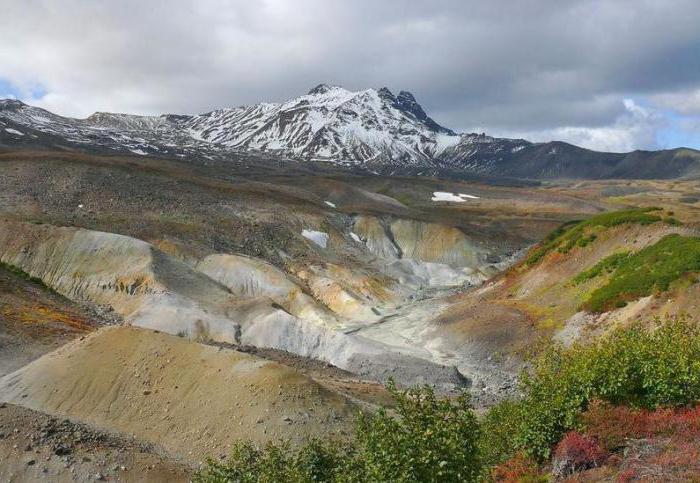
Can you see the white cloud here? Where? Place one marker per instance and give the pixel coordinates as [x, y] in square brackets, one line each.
[685, 102]
[636, 128]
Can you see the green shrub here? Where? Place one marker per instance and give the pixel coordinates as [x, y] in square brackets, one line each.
[427, 439]
[432, 439]
[652, 269]
[498, 426]
[316, 461]
[635, 366]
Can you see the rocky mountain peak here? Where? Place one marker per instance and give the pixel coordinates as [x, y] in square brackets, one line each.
[320, 89]
[407, 97]
[406, 102]
[387, 95]
[11, 104]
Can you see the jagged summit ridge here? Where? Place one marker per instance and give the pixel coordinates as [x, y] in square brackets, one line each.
[330, 122]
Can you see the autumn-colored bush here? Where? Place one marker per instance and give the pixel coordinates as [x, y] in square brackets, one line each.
[627, 475]
[686, 454]
[519, 468]
[576, 452]
[611, 425]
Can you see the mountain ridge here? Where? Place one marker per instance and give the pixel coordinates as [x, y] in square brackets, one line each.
[370, 129]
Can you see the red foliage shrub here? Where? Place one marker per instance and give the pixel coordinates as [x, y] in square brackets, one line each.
[576, 452]
[686, 454]
[517, 469]
[627, 475]
[611, 425]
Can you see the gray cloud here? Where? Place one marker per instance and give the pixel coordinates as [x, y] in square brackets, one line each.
[537, 68]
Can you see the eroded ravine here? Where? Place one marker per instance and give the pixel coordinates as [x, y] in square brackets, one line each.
[151, 289]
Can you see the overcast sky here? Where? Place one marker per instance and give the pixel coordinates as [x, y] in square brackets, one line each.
[611, 75]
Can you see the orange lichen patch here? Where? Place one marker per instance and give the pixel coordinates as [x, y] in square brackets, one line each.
[46, 316]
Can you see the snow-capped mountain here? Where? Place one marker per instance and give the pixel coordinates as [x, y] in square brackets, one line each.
[23, 124]
[370, 129]
[330, 123]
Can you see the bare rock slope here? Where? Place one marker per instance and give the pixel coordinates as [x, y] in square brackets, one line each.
[192, 400]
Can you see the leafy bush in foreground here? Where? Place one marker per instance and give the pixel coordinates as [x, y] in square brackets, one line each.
[634, 366]
[431, 439]
[316, 461]
[428, 439]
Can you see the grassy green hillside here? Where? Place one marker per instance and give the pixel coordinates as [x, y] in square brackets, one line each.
[581, 233]
[652, 269]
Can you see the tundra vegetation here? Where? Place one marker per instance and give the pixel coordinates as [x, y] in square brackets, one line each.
[636, 370]
[582, 233]
[651, 269]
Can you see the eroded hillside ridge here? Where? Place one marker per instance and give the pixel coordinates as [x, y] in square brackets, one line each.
[585, 279]
[151, 289]
[368, 129]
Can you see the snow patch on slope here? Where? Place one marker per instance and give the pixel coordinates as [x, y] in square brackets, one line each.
[318, 237]
[452, 197]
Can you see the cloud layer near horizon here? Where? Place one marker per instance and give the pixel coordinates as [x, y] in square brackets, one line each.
[612, 75]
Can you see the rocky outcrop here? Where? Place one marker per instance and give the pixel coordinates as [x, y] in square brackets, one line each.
[365, 357]
[375, 237]
[145, 286]
[432, 242]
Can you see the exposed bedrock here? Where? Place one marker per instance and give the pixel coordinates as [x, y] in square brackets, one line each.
[431, 242]
[248, 277]
[421, 254]
[331, 305]
[376, 237]
[145, 286]
[365, 357]
[153, 290]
